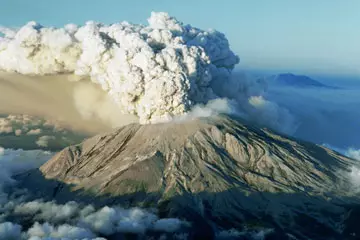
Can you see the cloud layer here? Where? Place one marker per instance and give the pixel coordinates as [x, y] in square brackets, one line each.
[324, 115]
[28, 132]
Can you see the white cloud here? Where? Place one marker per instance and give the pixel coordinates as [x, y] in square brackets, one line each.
[353, 153]
[23, 123]
[325, 114]
[5, 127]
[34, 131]
[349, 152]
[354, 172]
[18, 132]
[43, 141]
[110, 220]
[17, 161]
[213, 107]
[10, 231]
[355, 176]
[65, 231]
[48, 211]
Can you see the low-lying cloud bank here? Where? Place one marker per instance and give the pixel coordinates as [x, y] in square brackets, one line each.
[324, 115]
[22, 131]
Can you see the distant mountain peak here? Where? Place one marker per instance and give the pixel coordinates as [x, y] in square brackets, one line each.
[293, 80]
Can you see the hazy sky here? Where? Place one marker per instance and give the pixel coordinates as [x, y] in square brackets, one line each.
[301, 36]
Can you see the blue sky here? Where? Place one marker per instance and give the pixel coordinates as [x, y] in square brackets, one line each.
[307, 36]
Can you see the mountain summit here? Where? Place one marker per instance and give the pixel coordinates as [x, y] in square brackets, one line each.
[217, 169]
[292, 80]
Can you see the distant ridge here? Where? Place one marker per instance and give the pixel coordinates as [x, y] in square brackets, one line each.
[292, 80]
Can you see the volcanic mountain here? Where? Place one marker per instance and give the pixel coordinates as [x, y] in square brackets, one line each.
[292, 80]
[218, 173]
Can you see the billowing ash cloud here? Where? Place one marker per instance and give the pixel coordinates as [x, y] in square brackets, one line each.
[165, 70]
[92, 103]
[155, 72]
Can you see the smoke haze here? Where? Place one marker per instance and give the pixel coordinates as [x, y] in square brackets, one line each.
[77, 105]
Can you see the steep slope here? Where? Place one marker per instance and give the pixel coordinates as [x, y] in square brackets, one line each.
[205, 154]
[218, 169]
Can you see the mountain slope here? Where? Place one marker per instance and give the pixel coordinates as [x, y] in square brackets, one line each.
[216, 169]
[217, 154]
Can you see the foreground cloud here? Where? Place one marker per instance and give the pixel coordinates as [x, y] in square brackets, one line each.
[46, 231]
[353, 153]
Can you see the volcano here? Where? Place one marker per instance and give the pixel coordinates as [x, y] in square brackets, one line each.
[218, 173]
[297, 81]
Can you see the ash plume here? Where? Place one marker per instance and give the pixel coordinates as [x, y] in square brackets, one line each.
[155, 72]
[162, 71]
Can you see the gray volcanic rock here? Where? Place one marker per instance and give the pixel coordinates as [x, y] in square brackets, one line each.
[218, 169]
[212, 154]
